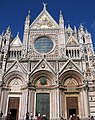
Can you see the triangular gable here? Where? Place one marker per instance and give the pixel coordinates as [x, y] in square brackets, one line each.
[16, 66]
[70, 65]
[72, 41]
[44, 21]
[42, 65]
[16, 42]
[69, 29]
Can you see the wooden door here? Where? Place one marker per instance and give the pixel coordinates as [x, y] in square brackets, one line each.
[13, 107]
[72, 107]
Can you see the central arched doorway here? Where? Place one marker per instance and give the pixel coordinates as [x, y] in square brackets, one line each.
[44, 93]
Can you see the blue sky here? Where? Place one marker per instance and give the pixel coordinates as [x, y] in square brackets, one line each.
[13, 13]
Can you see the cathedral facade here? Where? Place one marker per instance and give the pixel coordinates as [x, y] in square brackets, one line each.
[52, 71]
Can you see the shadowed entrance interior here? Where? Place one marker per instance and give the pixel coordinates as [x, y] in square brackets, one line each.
[13, 113]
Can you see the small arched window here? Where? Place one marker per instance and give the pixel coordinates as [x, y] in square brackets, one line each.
[83, 40]
[66, 52]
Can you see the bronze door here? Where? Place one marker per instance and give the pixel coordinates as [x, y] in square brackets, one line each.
[13, 107]
[72, 107]
[43, 104]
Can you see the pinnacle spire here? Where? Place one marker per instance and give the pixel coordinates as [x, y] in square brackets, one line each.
[2, 32]
[75, 30]
[68, 25]
[17, 34]
[61, 17]
[28, 18]
[86, 31]
[28, 14]
[8, 28]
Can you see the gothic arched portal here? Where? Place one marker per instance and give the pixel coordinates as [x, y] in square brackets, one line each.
[70, 94]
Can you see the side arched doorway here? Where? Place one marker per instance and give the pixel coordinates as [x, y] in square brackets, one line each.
[70, 95]
[14, 81]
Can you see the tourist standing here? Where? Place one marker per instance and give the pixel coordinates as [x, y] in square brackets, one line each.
[31, 116]
[39, 116]
[9, 116]
[27, 116]
[92, 118]
[44, 117]
[1, 114]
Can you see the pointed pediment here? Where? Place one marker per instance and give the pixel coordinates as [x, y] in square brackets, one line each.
[44, 21]
[16, 66]
[42, 65]
[16, 41]
[70, 65]
[72, 41]
[69, 29]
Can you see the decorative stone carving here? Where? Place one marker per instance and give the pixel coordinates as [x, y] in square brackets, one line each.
[44, 22]
[43, 65]
[70, 82]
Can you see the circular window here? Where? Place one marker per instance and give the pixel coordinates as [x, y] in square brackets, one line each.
[43, 44]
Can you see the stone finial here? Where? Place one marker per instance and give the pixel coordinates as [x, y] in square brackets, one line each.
[81, 27]
[60, 13]
[17, 34]
[8, 28]
[28, 14]
[68, 25]
[44, 4]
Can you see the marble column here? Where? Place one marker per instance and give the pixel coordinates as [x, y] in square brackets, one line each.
[23, 104]
[86, 103]
[82, 110]
[3, 104]
[0, 97]
[58, 103]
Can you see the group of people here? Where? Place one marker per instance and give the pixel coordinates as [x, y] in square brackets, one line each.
[43, 117]
[91, 118]
[29, 116]
[8, 117]
[73, 117]
[39, 117]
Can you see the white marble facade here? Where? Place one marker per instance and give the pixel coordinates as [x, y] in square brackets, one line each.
[53, 61]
